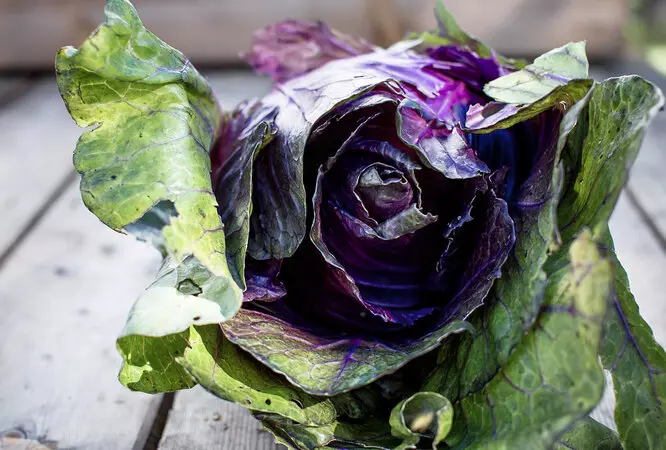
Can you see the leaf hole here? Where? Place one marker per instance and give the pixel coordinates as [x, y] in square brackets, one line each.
[268, 401]
[113, 177]
[189, 287]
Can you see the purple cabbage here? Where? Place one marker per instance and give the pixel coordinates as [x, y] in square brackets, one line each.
[376, 216]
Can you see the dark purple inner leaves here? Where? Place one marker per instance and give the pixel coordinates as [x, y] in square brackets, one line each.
[392, 241]
[383, 190]
[517, 150]
[409, 221]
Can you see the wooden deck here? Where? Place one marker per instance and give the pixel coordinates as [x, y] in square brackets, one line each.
[67, 283]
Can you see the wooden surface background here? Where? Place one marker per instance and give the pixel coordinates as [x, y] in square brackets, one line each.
[212, 32]
[67, 283]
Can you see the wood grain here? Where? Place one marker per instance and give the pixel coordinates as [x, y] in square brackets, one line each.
[201, 421]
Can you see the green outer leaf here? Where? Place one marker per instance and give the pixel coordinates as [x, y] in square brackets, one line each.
[638, 366]
[467, 363]
[323, 366]
[547, 72]
[145, 169]
[151, 109]
[153, 334]
[597, 158]
[220, 367]
[148, 364]
[369, 434]
[561, 97]
[601, 149]
[422, 414]
[553, 378]
[616, 112]
[586, 434]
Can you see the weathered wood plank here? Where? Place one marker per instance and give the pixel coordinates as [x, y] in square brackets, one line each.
[647, 182]
[36, 146]
[64, 296]
[645, 262]
[201, 421]
[214, 31]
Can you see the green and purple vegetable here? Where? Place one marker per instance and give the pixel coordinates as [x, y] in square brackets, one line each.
[395, 248]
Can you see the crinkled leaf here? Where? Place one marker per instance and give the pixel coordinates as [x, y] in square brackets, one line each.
[466, 362]
[587, 201]
[247, 130]
[155, 120]
[482, 119]
[145, 169]
[601, 149]
[325, 366]
[553, 379]
[296, 418]
[222, 368]
[597, 158]
[439, 147]
[586, 434]
[549, 71]
[148, 364]
[278, 222]
[157, 327]
[423, 414]
[368, 434]
[638, 366]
